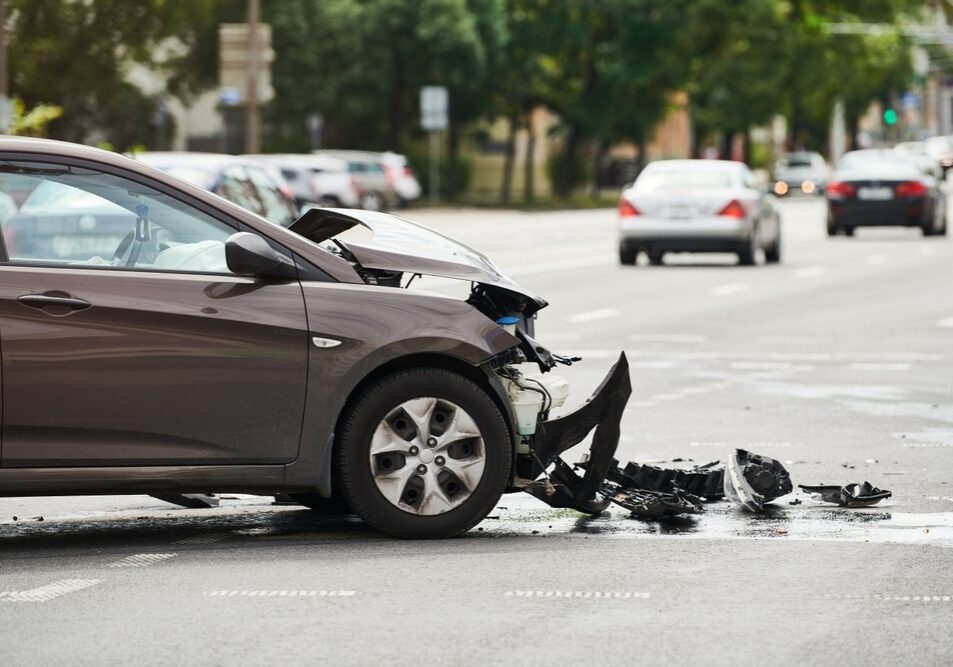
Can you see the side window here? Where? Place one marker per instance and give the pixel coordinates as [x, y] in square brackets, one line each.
[235, 186]
[82, 218]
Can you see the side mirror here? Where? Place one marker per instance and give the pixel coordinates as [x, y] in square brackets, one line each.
[250, 255]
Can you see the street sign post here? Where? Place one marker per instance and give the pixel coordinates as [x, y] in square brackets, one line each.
[434, 104]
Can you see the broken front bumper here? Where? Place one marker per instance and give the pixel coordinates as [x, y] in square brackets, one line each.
[563, 486]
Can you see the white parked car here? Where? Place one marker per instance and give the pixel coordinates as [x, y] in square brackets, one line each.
[387, 180]
[316, 179]
[698, 206]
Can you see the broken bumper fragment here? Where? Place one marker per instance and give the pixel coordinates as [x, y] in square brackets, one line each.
[653, 504]
[851, 495]
[602, 412]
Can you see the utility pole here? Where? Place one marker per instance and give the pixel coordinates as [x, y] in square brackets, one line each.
[252, 128]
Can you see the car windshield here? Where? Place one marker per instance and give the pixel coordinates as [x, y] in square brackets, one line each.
[795, 161]
[683, 178]
[866, 167]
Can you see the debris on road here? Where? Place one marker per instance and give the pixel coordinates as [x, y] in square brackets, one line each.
[851, 495]
[751, 480]
[190, 500]
[653, 504]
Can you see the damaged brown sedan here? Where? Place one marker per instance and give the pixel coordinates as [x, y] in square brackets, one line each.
[155, 338]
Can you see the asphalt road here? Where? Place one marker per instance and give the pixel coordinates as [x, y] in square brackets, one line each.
[838, 362]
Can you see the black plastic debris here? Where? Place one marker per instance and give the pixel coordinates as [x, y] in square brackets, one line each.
[191, 500]
[705, 481]
[653, 504]
[851, 495]
[751, 480]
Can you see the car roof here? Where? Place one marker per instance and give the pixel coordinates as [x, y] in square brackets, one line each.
[210, 161]
[698, 164]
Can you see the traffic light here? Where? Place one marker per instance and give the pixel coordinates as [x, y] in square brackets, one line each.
[890, 116]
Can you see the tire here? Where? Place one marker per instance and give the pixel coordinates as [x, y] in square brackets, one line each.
[748, 252]
[773, 254]
[372, 201]
[628, 257]
[328, 201]
[831, 227]
[848, 231]
[427, 497]
[655, 258]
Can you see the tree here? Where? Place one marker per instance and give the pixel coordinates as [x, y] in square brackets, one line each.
[75, 54]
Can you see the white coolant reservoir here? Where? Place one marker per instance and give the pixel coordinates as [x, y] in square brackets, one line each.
[537, 391]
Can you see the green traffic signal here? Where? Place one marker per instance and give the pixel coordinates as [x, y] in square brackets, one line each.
[890, 117]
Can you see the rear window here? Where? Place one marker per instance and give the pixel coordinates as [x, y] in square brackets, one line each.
[660, 180]
[866, 167]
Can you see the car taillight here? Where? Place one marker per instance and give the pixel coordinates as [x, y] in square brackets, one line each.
[911, 189]
[840, 190]
[408, 172]
[627, 210]
[734, 209]
[390, 173]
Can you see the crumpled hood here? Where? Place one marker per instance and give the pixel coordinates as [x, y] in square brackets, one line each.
[401, 245]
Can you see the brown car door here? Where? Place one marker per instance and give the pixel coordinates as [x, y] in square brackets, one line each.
[143, 352]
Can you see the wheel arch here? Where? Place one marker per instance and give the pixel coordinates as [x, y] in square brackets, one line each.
[480, 375]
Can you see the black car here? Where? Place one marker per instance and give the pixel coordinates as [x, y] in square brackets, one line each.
[883, 188]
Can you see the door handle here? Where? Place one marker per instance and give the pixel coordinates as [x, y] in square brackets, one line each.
[43, 301]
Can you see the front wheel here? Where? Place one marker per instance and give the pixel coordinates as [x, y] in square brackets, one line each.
[424, 453]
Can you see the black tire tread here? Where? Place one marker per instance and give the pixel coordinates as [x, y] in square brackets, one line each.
[359, 505]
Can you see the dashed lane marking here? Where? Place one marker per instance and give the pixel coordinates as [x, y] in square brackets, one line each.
[280, 594]
[728, 288]
[892, 598]
[141, 560]
[810, 272]
[926, 250]
[603, 595]
[877, 259]
[49, 591]
[668, 397]
[796, 340]
[668, 338]
[927, 445]
[593, 315]
[760, 365]
[946, 323]
[863, 366]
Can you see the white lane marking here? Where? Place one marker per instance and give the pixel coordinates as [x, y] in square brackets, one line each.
[760, 365]
[641, 404]
[927, 445]
[892, 598]
[810, 272]
[946, 322]
[668, 338]
[603, 595]
[796, 340]
[202, 539]
[141, 560]
[696, 390]
[593, 315]
[757, 355]
[49, 591]
[667, 397]
[280, 594]
[927, 250]
[652, 364]
[561, 265]
[864, 366]
[877, 259]
[728, 288]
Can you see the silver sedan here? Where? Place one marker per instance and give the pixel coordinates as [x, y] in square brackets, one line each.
[698, 206]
